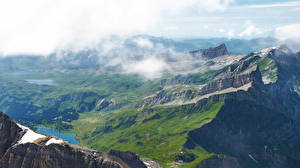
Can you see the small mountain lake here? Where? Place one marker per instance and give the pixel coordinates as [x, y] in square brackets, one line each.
[40, 81]
[67, 137]
[19, 73]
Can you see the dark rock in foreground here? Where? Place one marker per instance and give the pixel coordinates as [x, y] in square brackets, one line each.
[39, 154]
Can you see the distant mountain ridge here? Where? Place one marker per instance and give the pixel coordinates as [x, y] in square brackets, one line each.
[117, 47]
[210, 53]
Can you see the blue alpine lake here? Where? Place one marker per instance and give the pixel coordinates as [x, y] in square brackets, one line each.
[67, 137]
[40, 81]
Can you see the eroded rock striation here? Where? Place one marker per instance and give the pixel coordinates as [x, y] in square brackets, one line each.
[238, 76]
[51, 152]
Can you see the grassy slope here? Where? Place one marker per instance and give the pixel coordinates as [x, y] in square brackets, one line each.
[268, 68]
[159, 135]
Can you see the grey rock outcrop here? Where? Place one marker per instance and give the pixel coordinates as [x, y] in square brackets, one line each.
[163, 97]
[210, 53]
[9, 133]
[234, 78]
[40, 155]
[234, 81]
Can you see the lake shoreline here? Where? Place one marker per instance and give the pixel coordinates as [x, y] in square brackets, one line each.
[67, 137]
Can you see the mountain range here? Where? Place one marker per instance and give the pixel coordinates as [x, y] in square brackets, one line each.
[209, 108]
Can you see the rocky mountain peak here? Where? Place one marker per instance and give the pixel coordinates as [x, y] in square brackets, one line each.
[284, 56]
[284, 48]
[279, 50]
[210, 53]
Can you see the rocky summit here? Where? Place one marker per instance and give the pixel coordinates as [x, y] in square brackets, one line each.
[21, 147]
[210, 53]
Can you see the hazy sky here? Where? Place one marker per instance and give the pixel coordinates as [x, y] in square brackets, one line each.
[42, 26]
[239, 19]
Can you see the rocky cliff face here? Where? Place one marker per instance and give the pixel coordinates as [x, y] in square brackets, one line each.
[163, 97]
[50, 152]
[234, 81]
[9, 133]
[258, 127]
[238, 76]
[219, 85]
[211, 52]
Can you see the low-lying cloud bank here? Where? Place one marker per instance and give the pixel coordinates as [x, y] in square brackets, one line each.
[290, 35]
[43, 26]
[151, 67]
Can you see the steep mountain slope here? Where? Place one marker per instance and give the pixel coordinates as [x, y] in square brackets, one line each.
[21, 147]
[259, 127]
[243, 115]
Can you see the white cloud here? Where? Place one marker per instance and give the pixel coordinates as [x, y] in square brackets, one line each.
[150, 67]
[288, 32]
[222, 31]
[171, 28]
[250, 31]
[144, 43]
[212, 5]
[289, 35]
[42, 26]
[230, 34]
[205, 27]
[273, 5]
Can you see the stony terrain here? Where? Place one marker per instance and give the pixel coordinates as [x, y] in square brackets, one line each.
[42, 154]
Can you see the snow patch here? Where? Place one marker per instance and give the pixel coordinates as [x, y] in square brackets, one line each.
[251, 157]
[151, 164]
[100, 103]
[54, 141]
[30, 136]
[147, 164]
[265, 52]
